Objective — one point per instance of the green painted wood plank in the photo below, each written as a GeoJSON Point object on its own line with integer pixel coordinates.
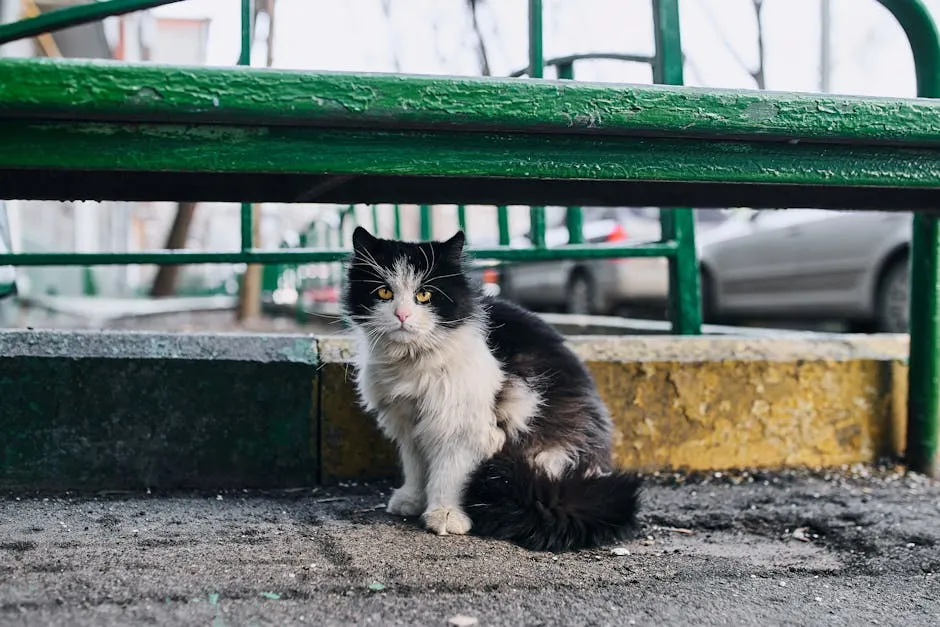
{"type": "Point", "coordinates": [161, 150]}
{"type": "Point", "coordinates": [81, 90]}
{"type": "Point", "coordinates": [208, 149]}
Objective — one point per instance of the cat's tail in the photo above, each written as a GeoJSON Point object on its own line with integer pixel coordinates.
{"type": "Point", "coordinates": [508, 499]}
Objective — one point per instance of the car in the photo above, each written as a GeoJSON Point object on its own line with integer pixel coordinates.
{"type": "Point", "coordinates": [809, 264]}
{"type": "Point", "coordinates": [596, 286]}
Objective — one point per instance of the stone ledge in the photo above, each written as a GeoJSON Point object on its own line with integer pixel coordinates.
{"type": "Point", "coordinates": [110, 410]}
{"type": "Point", "coordinates": [694, 403]}
{"type": "Point", "coordinates": [105, 410]}
{"type": "Point", "coordinates": [257, 348]}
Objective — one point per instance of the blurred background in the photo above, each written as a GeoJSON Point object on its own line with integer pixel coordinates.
{"type": "Point", "coordinates": [802, 268]}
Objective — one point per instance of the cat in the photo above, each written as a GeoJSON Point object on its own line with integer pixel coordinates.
{"type": "Point", "coordinates": [498, 424]}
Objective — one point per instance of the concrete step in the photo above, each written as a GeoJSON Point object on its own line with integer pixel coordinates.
{"type": "Point", "coordinates": [120, 410]}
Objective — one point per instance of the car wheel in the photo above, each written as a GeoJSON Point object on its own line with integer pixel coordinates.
{"type": "Point", "coordinates": [892, 306]}
{"type": "Point", "coordinates": [580, 298]}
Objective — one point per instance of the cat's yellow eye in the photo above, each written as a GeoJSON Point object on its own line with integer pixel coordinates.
{"type": "Point", "coordinates": [422, 296]}
{"type": "Point", "coordinates": [384, 293]}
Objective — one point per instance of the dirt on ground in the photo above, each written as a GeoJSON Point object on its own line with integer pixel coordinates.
{"type": "Point", "coordinates": [850, 547]}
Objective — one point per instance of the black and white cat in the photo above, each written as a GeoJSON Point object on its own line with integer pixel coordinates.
{"type": "Point", "coordinates": [498, 424]}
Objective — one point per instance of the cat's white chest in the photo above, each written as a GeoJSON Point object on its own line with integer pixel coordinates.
{"type": "Point", "coordinates": [461, 374]}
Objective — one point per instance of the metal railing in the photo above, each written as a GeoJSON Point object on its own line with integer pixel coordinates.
{"type": "Point", "coordinates": [651, 145]}
{"type": "Point", "coordinates": [677, 225]}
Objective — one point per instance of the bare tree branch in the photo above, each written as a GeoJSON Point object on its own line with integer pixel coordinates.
{"type": "Point", "coordinates": [481, 42]}
{"type": "Point", "coordinates": [387, 10]}
{"type": "Point", "coordinates": [164, 283]}
{"type": "Point", "coordinates": [758, 74]}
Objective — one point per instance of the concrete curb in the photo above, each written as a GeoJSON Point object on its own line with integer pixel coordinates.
{"type": "Point", "coordinates": [693, 403]}
{"type": "Point", "coordinates": [108, 410]}
{"type": "Point", "coordinates": [113, 410]}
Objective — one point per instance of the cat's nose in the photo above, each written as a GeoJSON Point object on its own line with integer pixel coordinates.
{"type": "Point", "coordinates": [402, 315]}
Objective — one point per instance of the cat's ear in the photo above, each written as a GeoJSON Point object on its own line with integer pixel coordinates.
{"type": "Point", "coordinates": [454, 246]}
{"type": "Point", "coordinates": [362, 239]}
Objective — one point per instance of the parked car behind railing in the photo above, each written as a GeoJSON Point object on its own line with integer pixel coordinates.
{"type": "Point", "coordinates": [794, 265]}
{"type": "Point", "coordinates": [595, 286]}
{"type": "Point", "coordinates": [809, 265]}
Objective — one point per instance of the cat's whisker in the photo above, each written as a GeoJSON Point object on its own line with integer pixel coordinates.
{"type": "Point", "coordinates": [369, 260]}
{"type": "Point", "coordinates": [443, 276]}
{"type": "Point", "coordinates": [427, 262]}
{"type": "Point", "coordinates": [438, 290]}
{"type": "Point", "coordinates": [371, 272]}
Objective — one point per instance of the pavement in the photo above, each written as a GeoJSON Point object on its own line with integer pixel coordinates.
{"type": "Point", "coordinates": [856, 546]}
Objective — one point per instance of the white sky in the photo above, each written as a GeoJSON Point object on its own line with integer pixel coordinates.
{"type": "Point", "coordinates": [870, 53]}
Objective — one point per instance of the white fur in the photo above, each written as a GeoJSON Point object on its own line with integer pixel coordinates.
{"type": "Point", "coordinates": [433, 390]}
{"type": "Point", "coordinates": [517, 405]}
{"type": "Point", "coordinates": [554, 461]}
{"type": "Point", "coordinates": [417, 332]}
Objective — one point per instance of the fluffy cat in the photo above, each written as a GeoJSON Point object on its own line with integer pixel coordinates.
{"type": "Point", "coordinates": [498, 424]}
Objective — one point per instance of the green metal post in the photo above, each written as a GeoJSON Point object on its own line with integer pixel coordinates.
{"type": "Point", "coordinates": [685, 301]}
{"type": "Point", "coordinates": [462, 217]}
{"type": "Point", "coordinates": [536, 70]}
{"type": "Point", "coordinates": [924, 365]}
{"type": "Point", "coordinates": [73, 16]}
{"type": "Point", "coordinates": [574, 221]}
{"type": "Point", "coordinates": [536, 60]}
{"type": "Point", "coordinates": [375, 220]}
{"type": "Point", "coordinates": [574, 216]}
{"type": "Point", "coordinates": [923, 405]}
{"type": "Point", "coordinates": [427, 226]}
{"type": "Point", "coordinates": [537, 226]}
{"type": "Point", "coordinates": [89, 284]}
{"type": "Point", "coordinates": [397, 211]}
{"type": "Point", "coordinates": [244, 58]}
{"type": "Point", "coordinates": [502, 218]}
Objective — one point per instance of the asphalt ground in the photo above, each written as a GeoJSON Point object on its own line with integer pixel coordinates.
{"type": "Point", "coordinates": [856, 546]}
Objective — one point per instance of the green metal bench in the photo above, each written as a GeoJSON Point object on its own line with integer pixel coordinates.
{"type": "Point", "coordinates": [80, 130]}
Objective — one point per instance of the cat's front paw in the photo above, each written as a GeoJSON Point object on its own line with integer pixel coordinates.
{"type": "Point", "coordinates": [405, 503]}
{"type": "Point", "coordinates": [446, 520]}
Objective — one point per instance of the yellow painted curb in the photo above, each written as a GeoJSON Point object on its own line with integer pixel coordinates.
{"type": "Point", "coordinates": [697, 403]}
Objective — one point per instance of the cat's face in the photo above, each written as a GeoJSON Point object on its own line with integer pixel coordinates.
{"type": "Point", "coordinates": [407, 293]}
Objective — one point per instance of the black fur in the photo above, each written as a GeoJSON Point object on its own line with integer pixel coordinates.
{"type": "Point", "coordinates": [509, 500]}
{"type": "Point", "coordinates": [573, 414]}
{"type": "Point", "coordinates": [507, 497]}
{"type": "Point", "coordinates": [442, 261]}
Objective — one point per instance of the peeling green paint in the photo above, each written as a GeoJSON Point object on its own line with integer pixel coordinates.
{"type": "Point", "coordinates": [86, 90]}
{"type": "Point", "coordinates": [313, 151]}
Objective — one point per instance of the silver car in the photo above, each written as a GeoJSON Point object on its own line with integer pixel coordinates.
{"type": "Point", "coordinates": [809, 264]}
{"type": "Point", "coordinates": [598, 286]}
